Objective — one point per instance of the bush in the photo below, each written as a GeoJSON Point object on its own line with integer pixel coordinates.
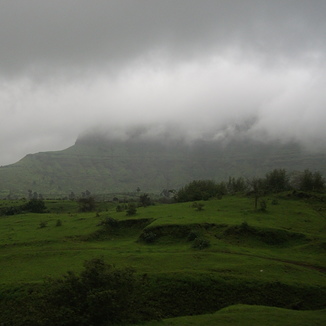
{"type": "Point", "coordinates": [192, 236]}
{"type": "Point", "coordinates": [131, 210]}
{"type": "Point", "coordinates": [198, 190]}
{"type": "Point", "coordinates": [149, 237]}
{"type": "Point", "coordinates": [59, 223]}
{"type": "Point", "coordinates": [87, 204]}
{"type": "Point", "coordinates": [145, 200]}
{"type": "Point", "coordinates": [34, 206]}
{"type": "Point", "coordinates": [99, 295]}
{"type": "Point", "coordinates": [263, 205]}
{"type": "Point", "coordinates": [110, 222]}
{"type": "Point", "coordinates": [43, 224]}
{"type": "Point", "coordinates": [12, 210]}
{"type": "Point", "coordinates": [277, 181]}
{"type": "Point", "coordinates": [200, 243]}
{"type": "Point", "coordinates": [198, 206]}
{"type": "Point", "coordinates": [119, 208]}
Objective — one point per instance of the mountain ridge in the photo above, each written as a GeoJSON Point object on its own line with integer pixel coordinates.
{"type": "Point", "coordinates": [104, 165]}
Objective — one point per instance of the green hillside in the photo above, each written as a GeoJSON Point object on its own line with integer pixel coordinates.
{"type": "Point", "coordinates": [246, 315]}
{"type": "Point", "coordinates": [188, 261]}
{"type": "Point", "coordinates": [110, 166]}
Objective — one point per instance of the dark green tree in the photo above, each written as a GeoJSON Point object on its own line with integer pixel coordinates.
{"type": "Point", "coordinates": [99, 295]}
{"type": "Point", "coordinates": [198, 190]}
{"type": "Point", "coordinates": [236, 185]}
{"type": "Point", "coordinates": [257, 188]}
{"type": "Point", "coordinates": [131, 209]}
{"type": "Point", "coordinates": [318, 182]}
{"type": "Point", "coordinates": [72, 196]}
{"type": "Point", "coordinates": [309, 181]}
{"type": "Point", "coordinates": [35, 206]}
{"type": "Point", "coordinates": [87, 204]}
{"type": "Point", "coordinates": [277, 181]}
{"type": "Point", "coordinates": [144, 200]}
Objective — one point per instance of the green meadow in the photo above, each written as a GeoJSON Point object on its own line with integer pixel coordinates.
{"type": "Point", "coordinates": [245, 315]}
{"type": "Point", "coordinates": [227, 264]}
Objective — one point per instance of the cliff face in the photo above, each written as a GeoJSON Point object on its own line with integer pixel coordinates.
{"type": "Point", "coordinates": [107, 166]}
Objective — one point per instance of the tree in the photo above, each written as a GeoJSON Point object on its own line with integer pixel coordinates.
{"type": "Point", "coordinates": [87, 204]}
{"type": "Point", "coordinates": [99, 295]}
{"type": "Point", "coordinates": [131, 210]}
{"type": "Point", "coordinates": [35, 206]}
{"type": "Point", "coordinates": [309, 181]}
{"type": "Point", "coordinates": [30, 194]}
{"type": "Point", "coordinates": [198, 190]}
{"type": "Point", "coordinates": [198, 206]}
{"type": "Point", "coordinates": [236, 185]}
{"type": "Point", "coordinates": [277, 180]}
{"type": "Point", "coordinates": [144, 200]}
{"type": "Point", "coordinates": [257, 189]}
{"type": "Point", "coordinates": [318, 182]}
{"type": "Point", "coordinates": [72, 196]}
{"type": "Point", "coordinates": [306, 181]}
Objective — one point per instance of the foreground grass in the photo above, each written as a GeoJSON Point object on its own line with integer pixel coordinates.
{"type": "Point", "coordinates": [282, 248]}
{"type": "Point", "coordinates": [244, 315]}
{"type": "Point", "coordinates": [29, 252]}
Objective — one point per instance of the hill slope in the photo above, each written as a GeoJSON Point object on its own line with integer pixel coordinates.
{"type": "Point", "coordinates": [108, 166]}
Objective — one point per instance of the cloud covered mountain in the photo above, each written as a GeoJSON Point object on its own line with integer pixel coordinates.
{"type": "Point", "coordinates": [105, 165]}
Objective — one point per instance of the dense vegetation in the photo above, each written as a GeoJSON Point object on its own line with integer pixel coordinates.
{"type": "Point", "coordinates": [275, 181]}
{"type": "Point", "coordinates": [88, 262]}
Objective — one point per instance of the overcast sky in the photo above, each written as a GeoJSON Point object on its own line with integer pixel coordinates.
{"type": "Point", "coordinates": [198, 68]}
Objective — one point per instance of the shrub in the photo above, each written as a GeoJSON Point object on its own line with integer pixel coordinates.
{"type": "Point", "coordinates": [119, 208]}
{"type": "Point", "coordinates": [34, 206]}
{"type": "Point", "coordinates": [131, 210]}
{"type": "Point", "coordinates": [198, 206]}
{"type": "Point", "coordinates": [43, 224]}
{"type": "Point", "coordinates": [99, 295]}
{"type": "Point", "coordinates": [263, 205]}
{"type": "Point", "coordinates": [109, 222]}
{"type": "Point", "coordinates": [87, 204]}
{"type": "Point", "coordinates": [12, 210]}
{"type": "Point", "coordinates": [145, 200]}
{"type": "Point", "coordinates": [58, 223]}
{"type": "Point", "coordinates": [198, 190]}
{"type": "Point", "coordinates": [192, 236]}
{"type": "Point", "coordinates": [200, 243]}
{"type": "Point", "coordinates": [149, 236]}
{"type": "Point", "coordinates": [277, 181]}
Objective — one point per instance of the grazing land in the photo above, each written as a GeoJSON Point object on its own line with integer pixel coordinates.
{"type": "Point", "coordinates": [210, 262]}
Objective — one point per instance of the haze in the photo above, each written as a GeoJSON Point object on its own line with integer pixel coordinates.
{"type": "Point", "coordinates": [246, 68]}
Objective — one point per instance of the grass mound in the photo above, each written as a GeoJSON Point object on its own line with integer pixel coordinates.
{"type": "Point", "coordinates": [274, 237]}
{"type": "Point", "coordinates": [247, 315]}
{"type": "Point", "coordinates": [175, 232]}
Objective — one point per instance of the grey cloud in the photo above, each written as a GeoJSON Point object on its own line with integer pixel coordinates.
{"type": "Point", "coordinates": [183, 68]}
{"type": "Point", "coordinates": [62, 34]}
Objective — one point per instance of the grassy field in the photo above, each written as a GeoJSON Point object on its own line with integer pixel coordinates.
{"type": "Point", "coordinates": [283, 247]}
{"type": "Point", "coordinates": [244, 315]}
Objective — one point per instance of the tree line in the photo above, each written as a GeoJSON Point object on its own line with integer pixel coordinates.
{"type": "Point", "coordinates": [275, 181]}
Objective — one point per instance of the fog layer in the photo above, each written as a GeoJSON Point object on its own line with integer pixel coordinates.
{"type": "Point", "coordinates": [191, 69]}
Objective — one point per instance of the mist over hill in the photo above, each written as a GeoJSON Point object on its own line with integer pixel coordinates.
{"type": "Point", "coordinates": [105, 165]}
